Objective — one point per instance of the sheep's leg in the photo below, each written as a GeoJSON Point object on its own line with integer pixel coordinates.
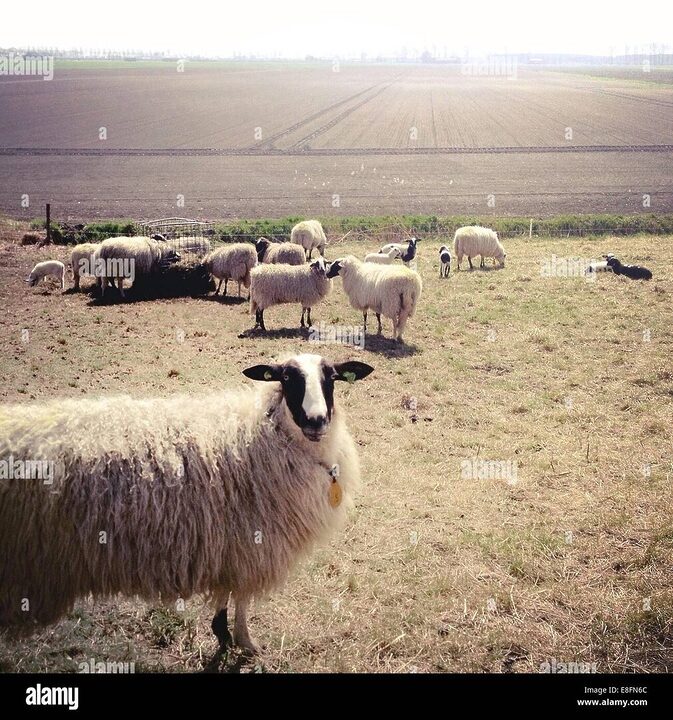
{"type": "Point", "coordinates": [217, 292]}
{"type": "Point", "coordinates": [120, 285]}
{"type": "Point", "coordinates": [239, 288]}
{"type": "Point", "coordinates": [226, 280]}
{"type": "Point", "coordinates": [260, 320]}
{"type": "Point", "coordinates": [469, 259]}
{"type": "Point", "coordinates": [364, 315]}
{"type": "Point", "coordinates": [302, 323]}
{"type": "Point", "coordinates": [378, 320]}
{"type": "Point", "coordinates": [308, 317]}
{"type": "Point", "coordinates": [220, 628]}
{"type": "Point", "coordinates": [75, 278]}
{"type": "Point", "coordinates": [241, 634]}
{"type": "Point", "coordinates": [310, 252]}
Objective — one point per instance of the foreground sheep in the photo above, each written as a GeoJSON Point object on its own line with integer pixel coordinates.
{"type": "Point", "coordinates": [126, 257]}
{"type": "Point", "coordinates": [392, 291]}
{"type": "Point", "coordinates": [231, 262]}
{"type": "Point", "coordinates": [635, 272]}
{"type": "Point", "coordinates": [43, 269]}
{"type": "Point", "coordinates": [167, 498]}
{"type": "Point", "coordinates": [84, 261]}
{"type": "Point", "coordinates": [310, 235]}
{"type": "Point", "coordinates": [285, 253]}
{"type": "Point", "coordinates": [383, 258]}
{"type": "Point", "coordinates": [474, 240]}
{"type": "Point", "coordinates": [279, 284]}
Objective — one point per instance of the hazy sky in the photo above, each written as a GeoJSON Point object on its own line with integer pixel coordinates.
{"type": "Point", "coordinates": [329, 28]}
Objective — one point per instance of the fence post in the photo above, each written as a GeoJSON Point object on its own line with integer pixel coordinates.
{"type": "Point", "coordinates": [48, 240]}
{"type": "Point", "coordinates": [530, 229]}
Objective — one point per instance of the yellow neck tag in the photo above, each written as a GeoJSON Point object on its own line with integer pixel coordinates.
{"type": "Point", "coordinates": [335, 494]}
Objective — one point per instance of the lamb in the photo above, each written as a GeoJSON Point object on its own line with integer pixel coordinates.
{"type": "Point", "coordinates": [286, 253]}
{"type": "Point", "coordinates": [383, 258]}
{"type": "Point", "coordinates": [232, 262]}
{"type": "Point", "coordinates": [278, 284]}
{"type": "Point", "coordinates": [310, 235]}
{"type": "Point", "coordinates": [407, 251]}
{"type": "Point", "coordinates": [219, 494]}
{"type": "Point", "coordinates": [444, 262]}
{"type": "Point", "coordinates": [128, 256]}
{"type": "Point", "coordinates": [392, 291]}
{"type": "Point", "coordinates": [474, 240]}
{"type": "Point", "coordinates": [598, 266]}
{"type": "Point", "coordinates": [47, 267]}
{"type": "Point", "coordinates": [635, 272]}
{"type": "Point", "coordinates": [84, 260]}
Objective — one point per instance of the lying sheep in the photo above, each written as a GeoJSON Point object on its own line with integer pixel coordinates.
{"type": "Point", "coordinates": [126, 257]}
{"type": "Point", "coordinates": [231, 262]}
{"type": "Point", "coordinates": [47, 267]}
{"type": "Point", "coordinates": [474, 240]}
{"type": "Point", "coordinates": [392, 291]}
{"type": "Point", "coordinates": [84, 260]}
{"type": "Point", "coordinates": [166, 498]}
{"type": "Point", "coordinates": [635, 272]}
{"type": "Point", "coordinates": [598, 266]}
{"type": "Point", "coordinates": [286, 253]}
{"type": "Point", "coordinates": [383, 258]}
{"type": "Point", "coordinates": [444, 262]}
{"type": "Point", "coordinates": [279, 284]}
{"type": "Point", "coordinates": [310, 235]}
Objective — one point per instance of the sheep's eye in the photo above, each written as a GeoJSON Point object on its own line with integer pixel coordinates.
{"type": "Point", "coordinates": [286, 377]}
{"type": "Point", "coordinates": [334, 376]}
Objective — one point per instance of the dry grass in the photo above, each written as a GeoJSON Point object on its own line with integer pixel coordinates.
{"type": "Point", "coordinates": [436, 572]}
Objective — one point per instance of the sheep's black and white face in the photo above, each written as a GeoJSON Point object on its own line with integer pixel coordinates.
{"type": "Point", "coordinates": [334, 268]}
{"type": "Point", "coordinates": [308, 388]}
{"type": "Point", "coordinates": [319, 267]}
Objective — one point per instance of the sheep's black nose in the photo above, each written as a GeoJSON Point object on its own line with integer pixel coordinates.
{"type": "Point", "coordinates": [316, 423]}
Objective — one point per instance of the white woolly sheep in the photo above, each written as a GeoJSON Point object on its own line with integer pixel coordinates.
{"type": "Point", "coordinates": [84, 260]}
{"type": "Point", "coordinates": [407, 250]}
{"type": "Point", "coordinates": [279, 284]}
{"type": "Point", "coordinates": [47, 267]}
{"type": "Point", "coordinates": [231, 262]}
{"type": "Point", "coordinates": [217, 494]}
{"type": "Point", "coordinates": [310, 235]}
{"type": "Point", "coordinates": [285, 253]}
{"type": "Point", "coordinates": [473, 240]}
{"type": "Point", "coordinates": [126, 257]}
{"type": "Point", "coordinates": [392, 291]}
{"type": "Point", "coordinates": [444, 262]}
{"type": "Point", "coordinates": [383, 258]}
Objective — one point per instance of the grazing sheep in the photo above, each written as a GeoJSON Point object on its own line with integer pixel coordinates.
{"type": "Point", "coordinates": [392, 291]}
{"type": "Point", "coordinates": [444, 262]}
{"type": "Point", "coordinates": [125, 257]}
{"type": "Point", "coordinates": [84, 261]}
{"type": "Point", "coordinates": [383, 258]}
{"type": "Point", "coordinates": [279, 284]}
{"type": "Point", "coordinates": [285, 253]}
{"type": "Point", "coordinates": [474, 240]}
{"type": "Point", "coordinates": [232, 262]}
{"type": "Point", "coordinates": [48, 267]}
{"type": "Point", "coordinates": [166, 498]}
{"type": "Point", "coordinates": [635, 272]}
{"type": "Point", "coordinates": [310, 235]}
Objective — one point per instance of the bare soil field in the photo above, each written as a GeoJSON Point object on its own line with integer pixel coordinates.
{"type": "Point", "coordinates": [250, 139]}
{"type": "Point", "coordinates": [568, 380]}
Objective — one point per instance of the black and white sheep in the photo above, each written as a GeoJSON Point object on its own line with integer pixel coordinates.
{"type": "Point", "coordinates": [389, 290]}
{"type": "Point", "coordinates": [444, 261]}
{"type": "Point", "coordinates": [165, 498]}
{"type": "Point", "coordinates": [635, 272]}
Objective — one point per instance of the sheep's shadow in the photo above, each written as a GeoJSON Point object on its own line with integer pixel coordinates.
{"type": "Point", "coordinates": [388, 347]}
{"type": "Point", "coordinates": [279, 334]}
{"type": "Point", "coordinates": [225, 299]}
{"type": "Point", "coordinates": [226, 661]}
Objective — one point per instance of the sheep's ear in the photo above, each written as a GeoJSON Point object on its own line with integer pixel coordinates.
{"type": "Point", "coordinates": [352, 371]}
{"type": "Point", "coordinates": [264, 372]}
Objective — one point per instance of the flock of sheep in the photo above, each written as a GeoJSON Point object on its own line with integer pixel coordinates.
{"type": "Point", "coordinates": [281, 273]}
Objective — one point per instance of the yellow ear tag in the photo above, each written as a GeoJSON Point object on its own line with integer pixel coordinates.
{"type": "Point", "coordinates": [335, 494]}
{"type": "Point", "coordinates": [350, 376]}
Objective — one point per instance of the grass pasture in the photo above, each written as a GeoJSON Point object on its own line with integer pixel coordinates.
{"type": "Point", "coordinates": [567, 380]}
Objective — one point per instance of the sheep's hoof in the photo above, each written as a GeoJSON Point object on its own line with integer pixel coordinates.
{"type": "Point", "coordinates": [247, 646]}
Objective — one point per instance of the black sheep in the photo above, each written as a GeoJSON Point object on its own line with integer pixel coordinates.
{"type": "Point", "coordinates": [635, 272]}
